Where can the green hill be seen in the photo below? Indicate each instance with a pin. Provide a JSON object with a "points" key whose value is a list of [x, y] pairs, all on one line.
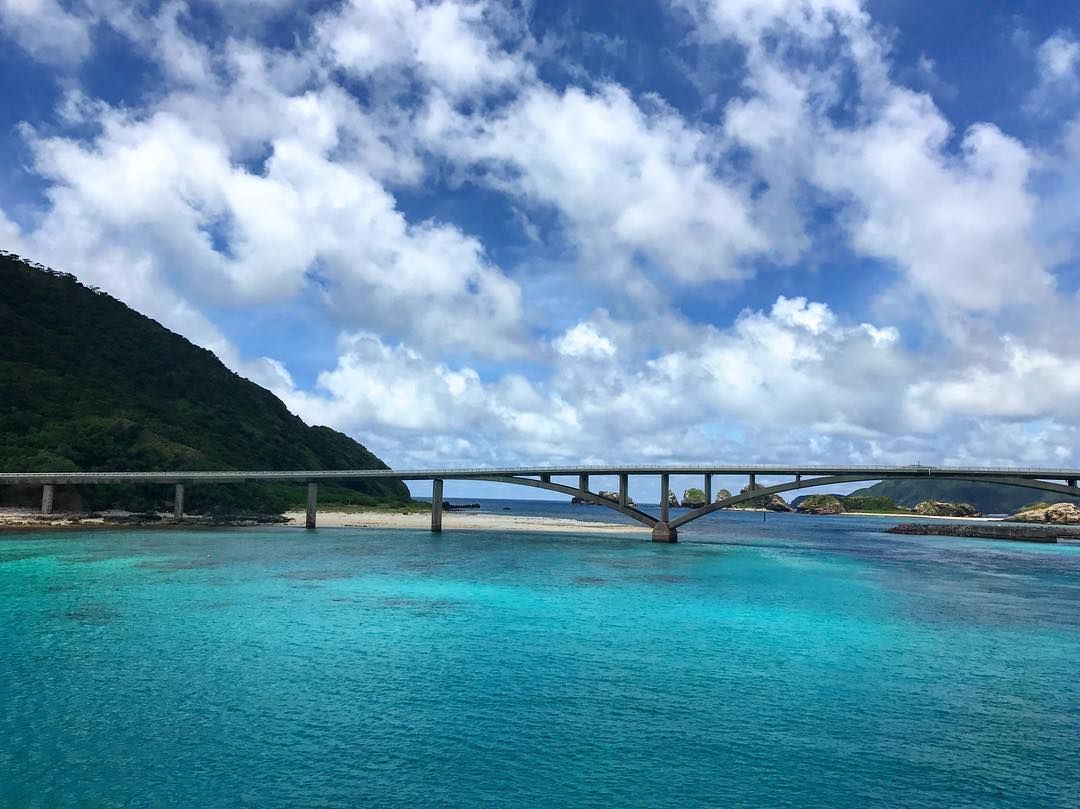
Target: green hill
{"points": [[989, 498], [88, 384]]}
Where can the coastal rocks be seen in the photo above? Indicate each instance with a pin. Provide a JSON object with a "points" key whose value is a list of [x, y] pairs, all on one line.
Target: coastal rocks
{"points": [[448, 506], [612, 496], [935, 508], [769, 502], [820, 504], [672, 500], [978, 531], [723, 494], [693, 498], [1057, 514]]}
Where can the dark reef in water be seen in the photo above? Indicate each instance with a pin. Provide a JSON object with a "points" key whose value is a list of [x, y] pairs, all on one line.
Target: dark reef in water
{"points": [[1047, 534]]}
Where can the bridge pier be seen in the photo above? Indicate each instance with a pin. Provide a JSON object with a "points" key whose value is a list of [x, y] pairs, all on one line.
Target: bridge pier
{"points": [[46, 499], [312, 501], [624, 490], [583, 482], [664, 487], [708, 488], [662, 532], [436, 505], [178, 502]]}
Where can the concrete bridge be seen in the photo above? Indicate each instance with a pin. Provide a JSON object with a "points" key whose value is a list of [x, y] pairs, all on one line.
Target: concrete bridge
{"points": [[664, 528]]}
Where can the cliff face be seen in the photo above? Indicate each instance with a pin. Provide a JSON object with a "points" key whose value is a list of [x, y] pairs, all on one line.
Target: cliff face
{"points": [[88, 384]]}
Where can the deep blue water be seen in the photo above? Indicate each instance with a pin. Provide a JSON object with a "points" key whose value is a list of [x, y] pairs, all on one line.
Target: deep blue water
{"points": [[811, 662]]}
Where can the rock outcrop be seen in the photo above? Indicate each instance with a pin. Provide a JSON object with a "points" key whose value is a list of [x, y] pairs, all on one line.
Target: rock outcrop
{"points": [[612, 496], [769, 502], [820, 504], [693, 498], [1057, 514], [935, 508], [723, 494], [672, 499]]}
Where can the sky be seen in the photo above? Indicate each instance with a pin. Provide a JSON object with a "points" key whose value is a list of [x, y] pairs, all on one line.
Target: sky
{"points": [[524, 232]]}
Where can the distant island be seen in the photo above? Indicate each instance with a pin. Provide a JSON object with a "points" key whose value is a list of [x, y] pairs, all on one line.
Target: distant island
{"points": [[88, 384]]}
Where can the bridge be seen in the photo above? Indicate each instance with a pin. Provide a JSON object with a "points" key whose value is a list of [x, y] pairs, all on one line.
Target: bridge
{"points": [[664, 528]]}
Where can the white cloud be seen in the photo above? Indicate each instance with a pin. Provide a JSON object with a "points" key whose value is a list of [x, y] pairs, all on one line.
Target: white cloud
{"points": [[173, 193], [448, 43], [1059, 57], [45, 30], [957, 225], [583, 340], [629, 185]]}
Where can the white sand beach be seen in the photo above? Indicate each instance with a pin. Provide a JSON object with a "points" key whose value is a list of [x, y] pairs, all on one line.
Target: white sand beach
{"points": [[464, 520]]}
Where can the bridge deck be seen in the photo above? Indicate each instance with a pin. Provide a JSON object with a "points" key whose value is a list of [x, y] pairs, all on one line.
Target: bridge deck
{"points": [[765, 470]]}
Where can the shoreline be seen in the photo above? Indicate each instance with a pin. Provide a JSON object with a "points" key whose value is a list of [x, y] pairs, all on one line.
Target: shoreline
{"points": [[16, 519], [458, 520], [12, 520]]}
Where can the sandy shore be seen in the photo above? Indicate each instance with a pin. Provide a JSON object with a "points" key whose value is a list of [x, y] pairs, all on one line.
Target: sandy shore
{"points": [[11, 518], [18, 519], [464, 520]]}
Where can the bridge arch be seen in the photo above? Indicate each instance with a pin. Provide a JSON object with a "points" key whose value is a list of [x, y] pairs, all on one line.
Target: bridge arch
{"points": [[668, 531], [647, 520], [833, 480]]}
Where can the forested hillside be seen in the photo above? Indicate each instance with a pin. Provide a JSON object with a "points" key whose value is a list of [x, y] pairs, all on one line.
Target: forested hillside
{"points": [[989, 498], [86, 383]]}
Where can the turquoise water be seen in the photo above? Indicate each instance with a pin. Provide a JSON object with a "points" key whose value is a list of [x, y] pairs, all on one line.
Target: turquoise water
{"points": [[801, 662]]}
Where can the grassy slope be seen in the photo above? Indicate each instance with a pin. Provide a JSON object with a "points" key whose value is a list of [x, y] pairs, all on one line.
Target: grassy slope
{"points": [[88, 384]]}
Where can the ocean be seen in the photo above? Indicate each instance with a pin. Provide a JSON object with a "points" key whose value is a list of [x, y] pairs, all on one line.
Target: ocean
{"points": [[790, 661]]}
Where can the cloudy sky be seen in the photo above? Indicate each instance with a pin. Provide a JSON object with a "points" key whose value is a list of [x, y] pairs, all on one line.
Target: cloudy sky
{"points": [[480, 232]]}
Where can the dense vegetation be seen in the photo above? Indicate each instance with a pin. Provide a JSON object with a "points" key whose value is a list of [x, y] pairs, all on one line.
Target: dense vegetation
{"points": [[88, 384], [989, 498]]}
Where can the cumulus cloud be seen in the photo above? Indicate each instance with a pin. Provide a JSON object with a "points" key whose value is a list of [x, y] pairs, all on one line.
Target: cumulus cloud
{"points": [[1059, 58], [629, 184], [955, 224], [46, 30], [1057, 68], [450, 45], [311, 220]]}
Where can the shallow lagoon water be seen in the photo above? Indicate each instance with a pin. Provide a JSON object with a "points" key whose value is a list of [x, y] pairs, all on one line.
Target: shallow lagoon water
{"points": [[796, 662]]}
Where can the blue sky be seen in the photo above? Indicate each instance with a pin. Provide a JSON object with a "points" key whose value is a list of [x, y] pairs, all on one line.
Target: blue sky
{"points": [[485, 232]]}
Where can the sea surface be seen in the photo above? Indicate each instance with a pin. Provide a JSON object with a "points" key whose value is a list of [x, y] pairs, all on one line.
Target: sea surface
{"points": [[792, 661]]}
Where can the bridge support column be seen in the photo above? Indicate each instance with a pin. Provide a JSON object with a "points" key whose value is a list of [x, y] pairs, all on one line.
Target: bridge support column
{"points": [[46, 499], [583, 482], [664, 487], [662, 532], [312, 502], [753, 481], [178, 502], [624, 489], [436, 505], [1071, 482], [708, 489]]}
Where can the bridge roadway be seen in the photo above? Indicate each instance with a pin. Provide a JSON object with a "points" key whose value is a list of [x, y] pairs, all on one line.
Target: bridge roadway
{"points": [[664, 528]]}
